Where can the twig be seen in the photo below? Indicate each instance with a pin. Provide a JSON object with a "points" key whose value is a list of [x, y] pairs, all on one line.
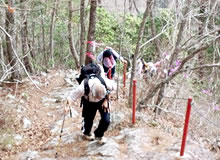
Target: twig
{"points": [[201, 67], [163, 30], [165, 110], [20, 60]]}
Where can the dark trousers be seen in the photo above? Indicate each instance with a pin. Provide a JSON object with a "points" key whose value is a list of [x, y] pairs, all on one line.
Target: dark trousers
{"points": [[89, 112], [112, 71]]}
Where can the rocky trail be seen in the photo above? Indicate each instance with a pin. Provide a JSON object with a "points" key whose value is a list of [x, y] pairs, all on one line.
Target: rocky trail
{"points": [[32, 133]]}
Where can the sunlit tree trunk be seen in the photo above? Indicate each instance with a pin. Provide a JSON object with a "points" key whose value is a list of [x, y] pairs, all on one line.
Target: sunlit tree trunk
{"points": [[91, 32]]}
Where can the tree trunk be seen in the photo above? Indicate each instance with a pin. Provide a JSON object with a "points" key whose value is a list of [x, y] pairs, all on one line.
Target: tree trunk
{"points": [[91, 32], [140, 36], [159, 99], [1, 55], [9, 24], [71, 44], [201, 27], [130, 6], [82, 33], [180, 32], [135, 6], [153, 32], [43, 39], [31, 40], [24, 38], [52, 25]]}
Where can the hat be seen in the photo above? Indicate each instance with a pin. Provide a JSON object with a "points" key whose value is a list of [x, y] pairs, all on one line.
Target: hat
{"points": [[107, 53]]}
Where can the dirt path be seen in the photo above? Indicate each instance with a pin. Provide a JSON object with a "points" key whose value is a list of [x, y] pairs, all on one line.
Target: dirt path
{"points": [[46, 115]]}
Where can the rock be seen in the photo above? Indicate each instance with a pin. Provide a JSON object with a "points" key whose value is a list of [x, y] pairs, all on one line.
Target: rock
{"points": [[26, 123], [116, 118], [109, 149], [18, 139], [20, 108], [9, 96], [29, 155], [69, 82], [46, 99], [43, 74], [37, 83]]}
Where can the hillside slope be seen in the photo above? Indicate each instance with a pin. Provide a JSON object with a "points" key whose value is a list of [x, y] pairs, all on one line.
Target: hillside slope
{"points": [[31, 125]]}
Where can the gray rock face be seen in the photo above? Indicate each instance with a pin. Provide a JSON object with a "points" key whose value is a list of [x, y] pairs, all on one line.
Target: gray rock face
{"points": [[109, 149], [29, 155], [26, 122]]}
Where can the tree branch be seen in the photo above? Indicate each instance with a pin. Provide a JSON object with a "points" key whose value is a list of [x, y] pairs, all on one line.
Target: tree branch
{"points": [[19, 59], [153, 38], [153, 90], [201, 67]]}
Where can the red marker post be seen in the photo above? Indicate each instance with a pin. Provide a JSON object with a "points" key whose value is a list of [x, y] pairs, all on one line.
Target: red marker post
{"points": [[124, 74], [134, 101], [185, 127]]}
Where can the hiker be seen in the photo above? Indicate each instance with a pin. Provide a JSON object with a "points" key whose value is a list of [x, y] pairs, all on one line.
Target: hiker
{"points": [[94, 91], [108, 59], [140, 70]]}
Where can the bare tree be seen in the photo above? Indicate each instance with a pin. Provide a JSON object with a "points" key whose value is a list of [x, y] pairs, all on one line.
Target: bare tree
{"points": [[43, 38], [71, 43], [153, 31], [179, 36], [52, 25], [140, 36], [82, 33], [187, 45], [201, 28], [91, 32], [135, 6], [9, 24], [24, 39]]}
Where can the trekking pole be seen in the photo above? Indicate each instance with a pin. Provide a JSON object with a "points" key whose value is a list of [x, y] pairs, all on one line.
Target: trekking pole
{"points": [[70, 111], [58, 145]]}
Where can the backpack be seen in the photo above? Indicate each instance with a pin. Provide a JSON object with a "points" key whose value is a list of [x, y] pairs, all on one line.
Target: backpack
{"points": [[108, 53], [91, 68], [87, 89]]}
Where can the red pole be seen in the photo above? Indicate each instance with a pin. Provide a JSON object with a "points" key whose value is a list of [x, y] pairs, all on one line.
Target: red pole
{"points": [[124, 74], [134, 101], [185, 127], [110, 73]]}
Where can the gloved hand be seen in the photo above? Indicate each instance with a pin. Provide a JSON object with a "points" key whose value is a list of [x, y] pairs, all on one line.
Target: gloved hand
{"points": [[67, 104], [124, 61]]}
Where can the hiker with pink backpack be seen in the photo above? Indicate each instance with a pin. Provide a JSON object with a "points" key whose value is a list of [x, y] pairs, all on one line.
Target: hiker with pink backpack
{"points": [[108, 58]]}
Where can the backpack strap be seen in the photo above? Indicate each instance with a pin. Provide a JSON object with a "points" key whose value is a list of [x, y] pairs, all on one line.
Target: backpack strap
{"points": [[86, 86]]}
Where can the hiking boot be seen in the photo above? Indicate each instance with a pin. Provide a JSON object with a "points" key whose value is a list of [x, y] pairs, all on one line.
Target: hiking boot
{"points": [[100, 140], [88, 137]]}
